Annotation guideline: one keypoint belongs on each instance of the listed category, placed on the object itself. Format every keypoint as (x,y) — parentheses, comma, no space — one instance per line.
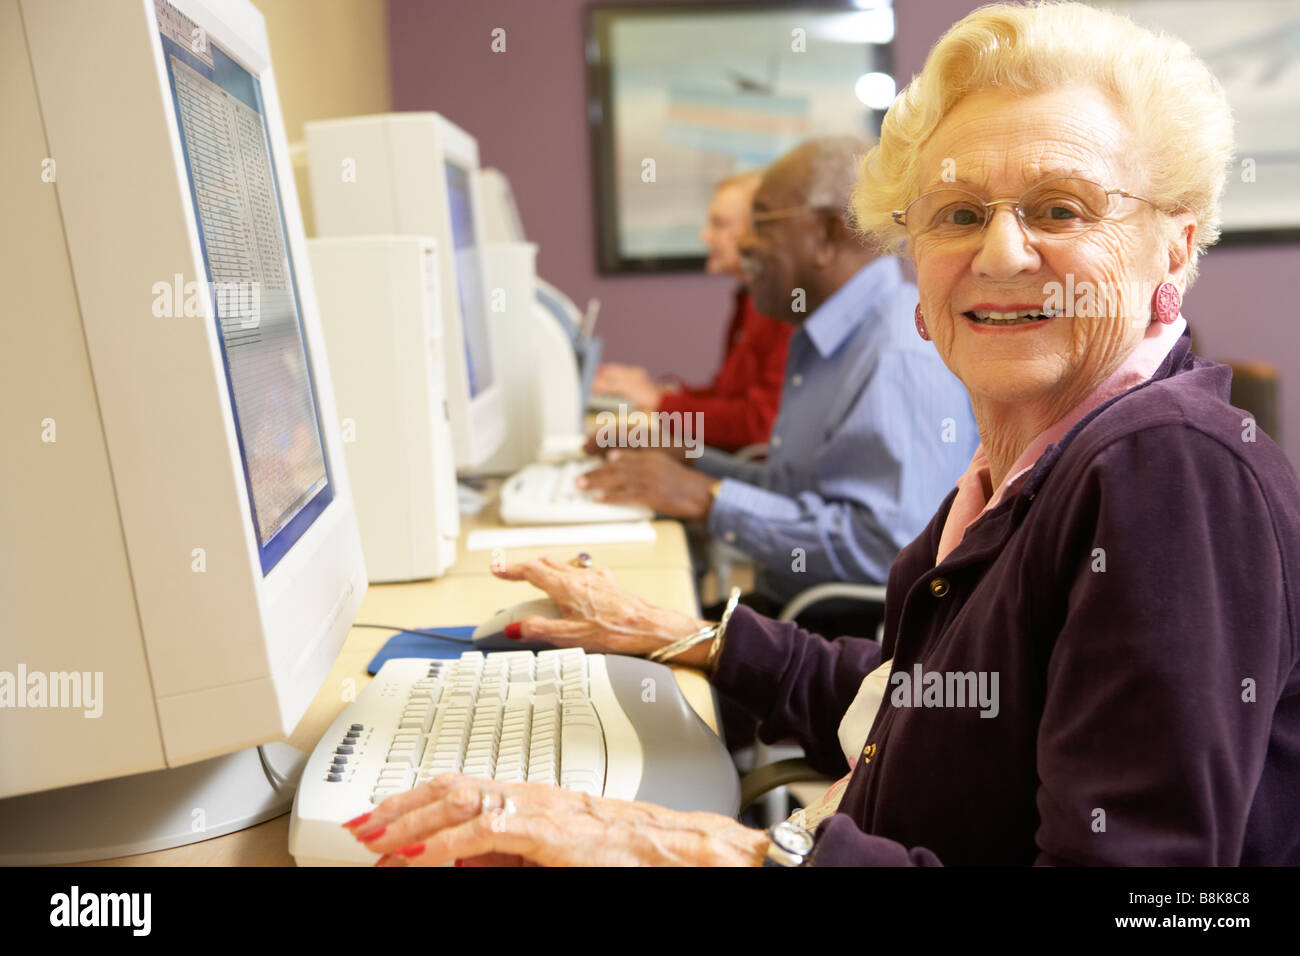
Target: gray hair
(833,171)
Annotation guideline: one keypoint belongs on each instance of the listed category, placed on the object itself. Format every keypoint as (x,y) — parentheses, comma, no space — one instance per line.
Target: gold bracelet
(685,644)
(716,649)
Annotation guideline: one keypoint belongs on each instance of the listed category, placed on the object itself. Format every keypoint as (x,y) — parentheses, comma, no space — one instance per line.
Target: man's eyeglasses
(1055,209)
(762,218)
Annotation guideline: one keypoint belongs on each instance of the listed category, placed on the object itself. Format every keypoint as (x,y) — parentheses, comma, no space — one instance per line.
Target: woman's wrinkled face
(998,146)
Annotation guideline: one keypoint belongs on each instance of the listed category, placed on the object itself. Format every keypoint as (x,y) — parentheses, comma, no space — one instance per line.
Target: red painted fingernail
(458,862)
(374,834)
(357,821)
(514,630)
(410,850)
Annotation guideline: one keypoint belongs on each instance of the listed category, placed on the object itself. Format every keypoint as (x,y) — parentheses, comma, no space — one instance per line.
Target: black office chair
(780,765)
(723,558)
(1255,390)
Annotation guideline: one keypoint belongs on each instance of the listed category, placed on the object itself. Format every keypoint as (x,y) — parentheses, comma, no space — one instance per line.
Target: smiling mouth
(1024,317)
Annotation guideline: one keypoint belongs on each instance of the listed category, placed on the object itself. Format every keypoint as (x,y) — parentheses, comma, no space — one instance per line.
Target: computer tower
(379,302)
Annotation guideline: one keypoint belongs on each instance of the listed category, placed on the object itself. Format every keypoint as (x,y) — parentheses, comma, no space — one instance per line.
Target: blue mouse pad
(407,644)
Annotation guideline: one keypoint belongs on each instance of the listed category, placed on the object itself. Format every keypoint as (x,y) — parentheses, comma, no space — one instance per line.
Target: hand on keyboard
(599,616)
(544,493)
(629,381)
(477,822)
(559,718)
(595,447)
(651,479)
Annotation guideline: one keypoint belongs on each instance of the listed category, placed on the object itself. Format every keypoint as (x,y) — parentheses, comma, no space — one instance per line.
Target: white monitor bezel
(234,656)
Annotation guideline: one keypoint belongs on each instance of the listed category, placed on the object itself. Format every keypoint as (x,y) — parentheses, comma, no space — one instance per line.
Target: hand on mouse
(600,616)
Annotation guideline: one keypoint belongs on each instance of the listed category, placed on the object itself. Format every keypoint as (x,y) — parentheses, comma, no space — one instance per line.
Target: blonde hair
(1168,97)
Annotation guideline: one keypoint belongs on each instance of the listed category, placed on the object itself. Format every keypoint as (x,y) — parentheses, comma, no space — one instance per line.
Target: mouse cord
(416,630)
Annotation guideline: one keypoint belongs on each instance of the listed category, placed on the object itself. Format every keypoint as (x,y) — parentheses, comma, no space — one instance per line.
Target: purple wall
(526,108)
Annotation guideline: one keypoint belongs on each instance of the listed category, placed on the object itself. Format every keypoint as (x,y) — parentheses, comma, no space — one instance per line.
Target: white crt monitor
(417,174)
(501,221)
(179,558)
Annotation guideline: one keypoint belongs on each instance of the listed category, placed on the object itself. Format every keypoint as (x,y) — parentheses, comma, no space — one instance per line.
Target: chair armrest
(770,776)
(867,593)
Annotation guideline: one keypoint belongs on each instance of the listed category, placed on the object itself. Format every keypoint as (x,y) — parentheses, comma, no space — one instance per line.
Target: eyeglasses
(1055,209)
(762,218)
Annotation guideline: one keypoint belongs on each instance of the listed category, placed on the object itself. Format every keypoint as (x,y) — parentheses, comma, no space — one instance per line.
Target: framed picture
(1253,47)
(681,96)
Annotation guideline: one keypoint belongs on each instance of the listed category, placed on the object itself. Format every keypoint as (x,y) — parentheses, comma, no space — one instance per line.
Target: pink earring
(1166,303)
(921,330)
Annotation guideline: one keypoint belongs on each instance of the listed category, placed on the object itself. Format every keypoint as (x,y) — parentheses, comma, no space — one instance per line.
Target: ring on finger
(507,807)
(583,560)
(498,815)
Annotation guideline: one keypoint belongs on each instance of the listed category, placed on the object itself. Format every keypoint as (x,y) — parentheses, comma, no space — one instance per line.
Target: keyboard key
(582,750)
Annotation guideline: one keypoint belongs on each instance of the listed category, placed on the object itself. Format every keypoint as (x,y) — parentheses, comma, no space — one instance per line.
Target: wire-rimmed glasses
(1055,209)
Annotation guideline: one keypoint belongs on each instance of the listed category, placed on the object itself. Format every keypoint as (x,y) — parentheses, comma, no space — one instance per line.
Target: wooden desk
(660,573)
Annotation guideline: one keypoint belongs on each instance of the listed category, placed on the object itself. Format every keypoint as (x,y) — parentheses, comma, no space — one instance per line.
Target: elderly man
(741,402)
(873,430)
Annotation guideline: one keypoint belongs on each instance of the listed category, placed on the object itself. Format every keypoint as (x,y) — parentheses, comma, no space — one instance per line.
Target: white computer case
(379,307)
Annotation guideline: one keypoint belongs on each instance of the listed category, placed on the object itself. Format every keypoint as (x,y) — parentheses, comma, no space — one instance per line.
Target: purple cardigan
(1137,599)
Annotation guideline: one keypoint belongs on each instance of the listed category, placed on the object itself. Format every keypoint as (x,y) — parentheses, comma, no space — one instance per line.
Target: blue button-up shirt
(873,433)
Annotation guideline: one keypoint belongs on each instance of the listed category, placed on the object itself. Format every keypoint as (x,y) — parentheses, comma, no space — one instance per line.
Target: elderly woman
(1091,652)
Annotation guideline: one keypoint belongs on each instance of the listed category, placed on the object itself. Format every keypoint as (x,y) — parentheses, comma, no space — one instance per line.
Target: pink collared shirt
(971,502)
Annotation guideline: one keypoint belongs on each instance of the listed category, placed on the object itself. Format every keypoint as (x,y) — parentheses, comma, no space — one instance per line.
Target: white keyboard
(550,717)
(546,494)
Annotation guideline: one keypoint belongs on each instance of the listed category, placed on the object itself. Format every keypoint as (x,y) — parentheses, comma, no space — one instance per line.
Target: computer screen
(469,279)
(249,270)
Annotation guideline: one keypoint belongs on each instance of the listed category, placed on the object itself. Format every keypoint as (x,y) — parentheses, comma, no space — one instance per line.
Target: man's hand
(630,381)
(595,449)
(655,480)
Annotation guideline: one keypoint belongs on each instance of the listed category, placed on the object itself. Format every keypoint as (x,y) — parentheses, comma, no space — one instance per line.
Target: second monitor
(416,173)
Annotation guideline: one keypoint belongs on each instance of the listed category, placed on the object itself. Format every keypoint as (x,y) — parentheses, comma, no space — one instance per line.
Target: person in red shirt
(740,405)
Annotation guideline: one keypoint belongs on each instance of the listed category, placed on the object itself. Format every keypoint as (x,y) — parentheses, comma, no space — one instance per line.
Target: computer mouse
(490,635)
